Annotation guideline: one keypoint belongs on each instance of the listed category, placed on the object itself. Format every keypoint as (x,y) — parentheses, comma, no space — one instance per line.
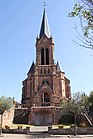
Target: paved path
(39,128)
(43,136)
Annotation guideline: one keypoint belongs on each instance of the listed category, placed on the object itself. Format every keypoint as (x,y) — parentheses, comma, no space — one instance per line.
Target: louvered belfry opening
(47,56)
(42,56)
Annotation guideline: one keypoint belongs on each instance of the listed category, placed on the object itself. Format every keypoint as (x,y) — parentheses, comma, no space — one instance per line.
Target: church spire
(44,26)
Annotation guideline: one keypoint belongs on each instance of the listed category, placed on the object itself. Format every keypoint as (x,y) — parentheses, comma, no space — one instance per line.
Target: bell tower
(44,44)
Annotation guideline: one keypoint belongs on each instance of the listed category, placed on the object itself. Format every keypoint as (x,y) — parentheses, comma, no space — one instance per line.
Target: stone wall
(7,117)
(71,131)
(21,116)
(17,131)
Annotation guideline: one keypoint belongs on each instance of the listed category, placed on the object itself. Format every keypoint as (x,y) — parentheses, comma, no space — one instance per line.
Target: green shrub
(19,126)
(7,127)
(60,126)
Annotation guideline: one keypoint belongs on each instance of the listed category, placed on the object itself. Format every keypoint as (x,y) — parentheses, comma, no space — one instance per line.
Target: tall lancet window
(47,56)
(42,56)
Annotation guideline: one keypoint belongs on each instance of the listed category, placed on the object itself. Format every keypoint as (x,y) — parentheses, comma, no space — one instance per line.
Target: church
(46,84)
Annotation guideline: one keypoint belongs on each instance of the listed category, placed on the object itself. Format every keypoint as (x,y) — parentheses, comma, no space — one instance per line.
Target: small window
(45,71)
(45,97)
(45,81)
(48,70)
(41,71)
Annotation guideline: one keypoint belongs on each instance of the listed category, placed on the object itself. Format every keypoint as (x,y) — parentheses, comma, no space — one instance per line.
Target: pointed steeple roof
(59,68)
(44,26)
(31,70)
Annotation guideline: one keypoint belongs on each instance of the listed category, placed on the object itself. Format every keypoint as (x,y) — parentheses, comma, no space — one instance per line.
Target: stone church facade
(46,84)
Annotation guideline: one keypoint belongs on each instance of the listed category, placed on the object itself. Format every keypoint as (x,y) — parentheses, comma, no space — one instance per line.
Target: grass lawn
(23,126)
(60,125)
(15,126)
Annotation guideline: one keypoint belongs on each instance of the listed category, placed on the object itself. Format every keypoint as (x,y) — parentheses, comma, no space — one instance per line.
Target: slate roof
(59,68)
(44,26)
(31,70)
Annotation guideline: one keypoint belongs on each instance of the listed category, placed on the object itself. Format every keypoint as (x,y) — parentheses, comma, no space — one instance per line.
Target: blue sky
(20,22)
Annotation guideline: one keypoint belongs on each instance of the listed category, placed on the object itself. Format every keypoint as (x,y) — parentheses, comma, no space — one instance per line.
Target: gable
(43,40)
(45,87)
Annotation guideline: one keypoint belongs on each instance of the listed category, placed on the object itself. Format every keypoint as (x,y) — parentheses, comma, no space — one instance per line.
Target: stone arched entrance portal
(43,118)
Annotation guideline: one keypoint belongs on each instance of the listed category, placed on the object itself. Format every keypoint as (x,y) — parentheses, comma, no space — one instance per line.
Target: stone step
(39,129)
(38,133)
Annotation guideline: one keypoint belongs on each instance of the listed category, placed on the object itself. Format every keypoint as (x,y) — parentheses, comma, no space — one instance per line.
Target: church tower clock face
(46,84)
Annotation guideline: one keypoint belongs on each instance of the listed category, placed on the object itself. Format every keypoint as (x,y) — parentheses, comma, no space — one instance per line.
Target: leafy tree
(90,99)
(77,105)
(84,10)
(5,103)
(84,101)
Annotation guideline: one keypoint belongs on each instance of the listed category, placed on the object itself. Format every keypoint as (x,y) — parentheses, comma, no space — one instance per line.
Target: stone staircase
(38,129)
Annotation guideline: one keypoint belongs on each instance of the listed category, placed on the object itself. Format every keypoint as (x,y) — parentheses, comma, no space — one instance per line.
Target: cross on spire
(44,4)
(44,25)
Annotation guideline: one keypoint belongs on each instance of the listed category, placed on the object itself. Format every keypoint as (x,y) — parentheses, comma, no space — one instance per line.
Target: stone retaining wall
(17,131)
(7,117)
(79,130)
(60,131)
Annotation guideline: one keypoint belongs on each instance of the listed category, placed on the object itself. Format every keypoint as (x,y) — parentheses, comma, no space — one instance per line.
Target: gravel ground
(43,136)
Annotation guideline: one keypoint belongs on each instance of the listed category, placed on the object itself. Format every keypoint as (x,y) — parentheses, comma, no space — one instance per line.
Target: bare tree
(84,10)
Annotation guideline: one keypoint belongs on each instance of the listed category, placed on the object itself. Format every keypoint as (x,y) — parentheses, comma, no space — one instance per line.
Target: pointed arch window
(45,99)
